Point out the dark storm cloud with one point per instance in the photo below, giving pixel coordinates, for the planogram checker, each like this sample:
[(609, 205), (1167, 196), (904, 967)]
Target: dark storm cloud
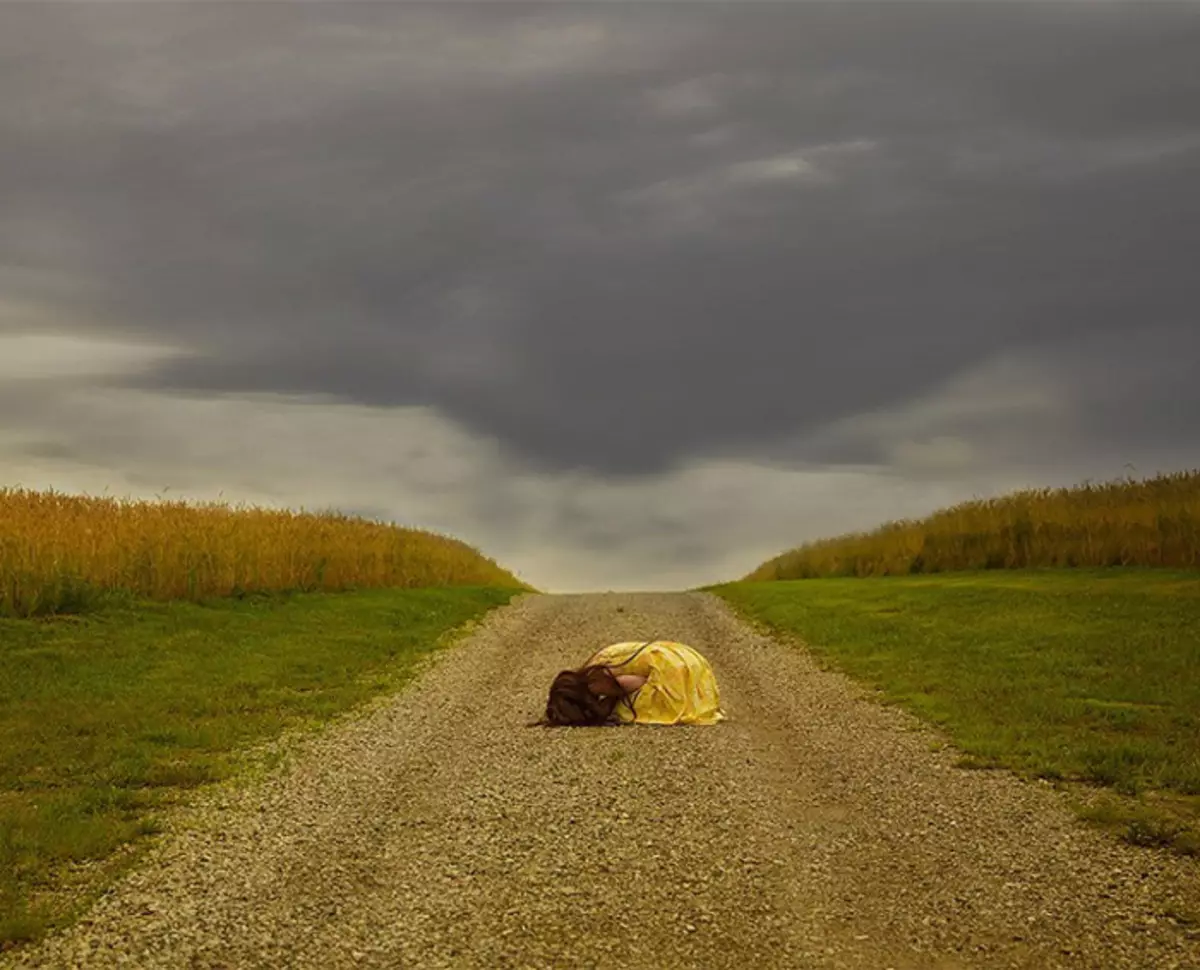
[(617, 236)]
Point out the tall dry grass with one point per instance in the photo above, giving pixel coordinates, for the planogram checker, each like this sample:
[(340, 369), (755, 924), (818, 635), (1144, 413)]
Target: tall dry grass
[(58, 553), (1153, 522)]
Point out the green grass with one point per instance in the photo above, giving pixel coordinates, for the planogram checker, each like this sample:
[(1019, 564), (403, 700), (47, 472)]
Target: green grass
[(1090, 676), (107, 719)]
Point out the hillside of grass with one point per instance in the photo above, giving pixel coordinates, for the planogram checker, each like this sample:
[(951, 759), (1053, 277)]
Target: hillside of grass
[(1152, 523), (65, 553), (146, 646), (1086, 677), (109, 718)]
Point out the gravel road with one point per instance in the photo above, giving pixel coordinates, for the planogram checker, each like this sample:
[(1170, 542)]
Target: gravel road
[(814, 828)]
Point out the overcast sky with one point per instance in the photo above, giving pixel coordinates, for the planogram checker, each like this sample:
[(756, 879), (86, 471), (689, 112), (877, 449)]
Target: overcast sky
[(626, 295)]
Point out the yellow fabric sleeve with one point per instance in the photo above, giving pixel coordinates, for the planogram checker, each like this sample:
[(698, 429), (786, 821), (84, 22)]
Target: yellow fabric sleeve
[(680, 688)]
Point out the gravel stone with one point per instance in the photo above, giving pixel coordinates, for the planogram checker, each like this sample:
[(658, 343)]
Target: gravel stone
[(814, 828)]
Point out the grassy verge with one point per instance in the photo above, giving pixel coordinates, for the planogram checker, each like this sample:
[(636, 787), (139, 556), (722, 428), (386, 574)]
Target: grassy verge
[(107, 719), (1080, 677)]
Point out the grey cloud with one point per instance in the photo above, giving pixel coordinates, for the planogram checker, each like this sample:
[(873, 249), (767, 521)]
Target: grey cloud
[(457, 206)]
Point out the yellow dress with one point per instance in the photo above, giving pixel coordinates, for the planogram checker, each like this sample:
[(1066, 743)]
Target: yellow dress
[(680, 685)]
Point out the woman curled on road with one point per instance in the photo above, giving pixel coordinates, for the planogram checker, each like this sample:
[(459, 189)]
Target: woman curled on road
[(655, 682)]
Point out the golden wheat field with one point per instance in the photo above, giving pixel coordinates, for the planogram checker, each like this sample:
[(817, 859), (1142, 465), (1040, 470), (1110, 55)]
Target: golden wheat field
[(1153, 522), (57, 552)]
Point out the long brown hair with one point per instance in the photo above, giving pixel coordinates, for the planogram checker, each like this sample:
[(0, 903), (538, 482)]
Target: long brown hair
[(587, 696)]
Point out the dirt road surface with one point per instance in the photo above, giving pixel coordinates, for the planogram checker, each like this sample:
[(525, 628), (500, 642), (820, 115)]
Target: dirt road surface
[(814, 828)]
